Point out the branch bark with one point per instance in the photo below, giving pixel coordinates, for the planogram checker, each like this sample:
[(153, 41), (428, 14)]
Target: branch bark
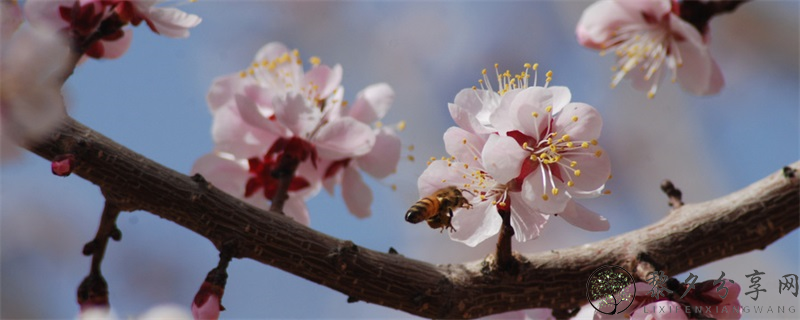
[(691, 236)]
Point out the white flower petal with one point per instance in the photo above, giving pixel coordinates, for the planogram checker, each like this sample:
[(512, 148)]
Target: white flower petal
[(538, 186), (357, 195), (581, 121), (439, 174), (382, 160), (344, 138), (502, 158), (469, 152), (464, 111), (526, 221), (172, 22), (577, 215), (295, 208), (529, 110), (372, 103), (475, 225)]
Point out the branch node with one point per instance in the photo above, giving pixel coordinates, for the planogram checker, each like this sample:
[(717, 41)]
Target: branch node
[(789, 172), (392, 251), (645, 264), (351, 299), (674, 194)]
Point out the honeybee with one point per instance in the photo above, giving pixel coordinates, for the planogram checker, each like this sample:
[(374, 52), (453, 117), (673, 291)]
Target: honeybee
[(437, 209)]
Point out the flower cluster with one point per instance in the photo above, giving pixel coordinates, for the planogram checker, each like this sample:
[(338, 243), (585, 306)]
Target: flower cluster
[(523, 148), (703, 302), (648, 36), (273, 118), (97, 24)]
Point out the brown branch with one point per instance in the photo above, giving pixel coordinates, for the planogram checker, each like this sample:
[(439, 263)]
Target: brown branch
[(505, 259), (749, 219)]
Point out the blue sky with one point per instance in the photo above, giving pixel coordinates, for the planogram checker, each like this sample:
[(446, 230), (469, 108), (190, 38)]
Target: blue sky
[(152, 100)]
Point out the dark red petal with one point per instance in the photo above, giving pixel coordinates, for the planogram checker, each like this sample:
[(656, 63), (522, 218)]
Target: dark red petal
[(298, 183), (253, 184), (96, 50), (335, 167)]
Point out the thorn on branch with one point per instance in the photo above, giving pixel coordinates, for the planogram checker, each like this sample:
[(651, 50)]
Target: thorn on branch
[(352, 299), (789, 172), (674, 194), (392, 251)]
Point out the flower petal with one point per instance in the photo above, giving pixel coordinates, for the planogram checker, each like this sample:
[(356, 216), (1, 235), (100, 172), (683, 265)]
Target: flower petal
[(577, 215), (372, 103), (530, 110), (172, 22), (231, 134), (581, 121), (271, 51), (465, 146), (324, 78), (527, 221), (222, 90), (600, 20), (503, 118), (475, 225), (382, 160), (595, 170), (539, 186), (465, 109), (561, 97), (292, 112), (115, 49), (10, 20), (696, 74), (357, 195), (440, 174), (344, 138), (223, 173), (502, 158)]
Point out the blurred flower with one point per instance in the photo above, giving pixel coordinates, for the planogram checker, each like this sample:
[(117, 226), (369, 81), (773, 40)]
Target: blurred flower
[(275, 114), (32, 65), (98, 23), (63, 165), (530, 314), (648, 36), (524, 148), (164, 311)]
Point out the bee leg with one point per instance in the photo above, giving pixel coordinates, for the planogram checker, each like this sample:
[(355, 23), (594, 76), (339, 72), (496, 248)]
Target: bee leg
[(449, 224)]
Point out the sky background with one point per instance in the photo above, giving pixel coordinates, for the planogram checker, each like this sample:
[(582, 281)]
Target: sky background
[(152, 100)]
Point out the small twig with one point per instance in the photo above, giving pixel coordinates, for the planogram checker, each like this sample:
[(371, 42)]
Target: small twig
[(789, 172), (93, 290), (674, 194), (287, 165), (505, 259)]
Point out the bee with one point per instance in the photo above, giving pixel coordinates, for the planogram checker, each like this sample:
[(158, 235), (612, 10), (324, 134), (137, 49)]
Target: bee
[(437, 209)]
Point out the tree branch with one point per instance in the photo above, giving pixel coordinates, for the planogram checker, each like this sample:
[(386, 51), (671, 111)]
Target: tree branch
[(749, 219)]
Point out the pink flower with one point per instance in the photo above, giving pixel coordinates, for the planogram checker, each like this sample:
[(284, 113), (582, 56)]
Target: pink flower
[(31, 68), (370, 106), (648, 36), (83, 20), (275, 111)]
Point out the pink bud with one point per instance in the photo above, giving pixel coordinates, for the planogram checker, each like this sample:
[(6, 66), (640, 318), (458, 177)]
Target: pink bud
[(207, 304), (63, 165)]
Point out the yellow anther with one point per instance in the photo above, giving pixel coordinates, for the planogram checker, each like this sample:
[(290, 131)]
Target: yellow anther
[(242, 74), (572, 164), (345, 103), (502, 204), (410, 158), (444, 180), (594, 142), (475, 158), (443, 158), (570, 144), (524, 145), (548, 108), (474, 88), (598, 153), (549, 74), (610, 176), (555, 191), (574, 118), (494, 202), (255, 64), (401, 125), (584, 145), (433, 158), (553, 148), (542, 156), (464, 141), (535, 114), (565, 137), (449, 164), (466, 166), (570, 183), (411, 147), (578, 173), (526, 65), (378, 124), (394, 187), (606, 191), (533, 157), (496, 65), (545, 197), (483, 197), (264, 62), (315, 61), (429, 163), (651, 95), (483, 71), (535, 66), (251, 72)]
